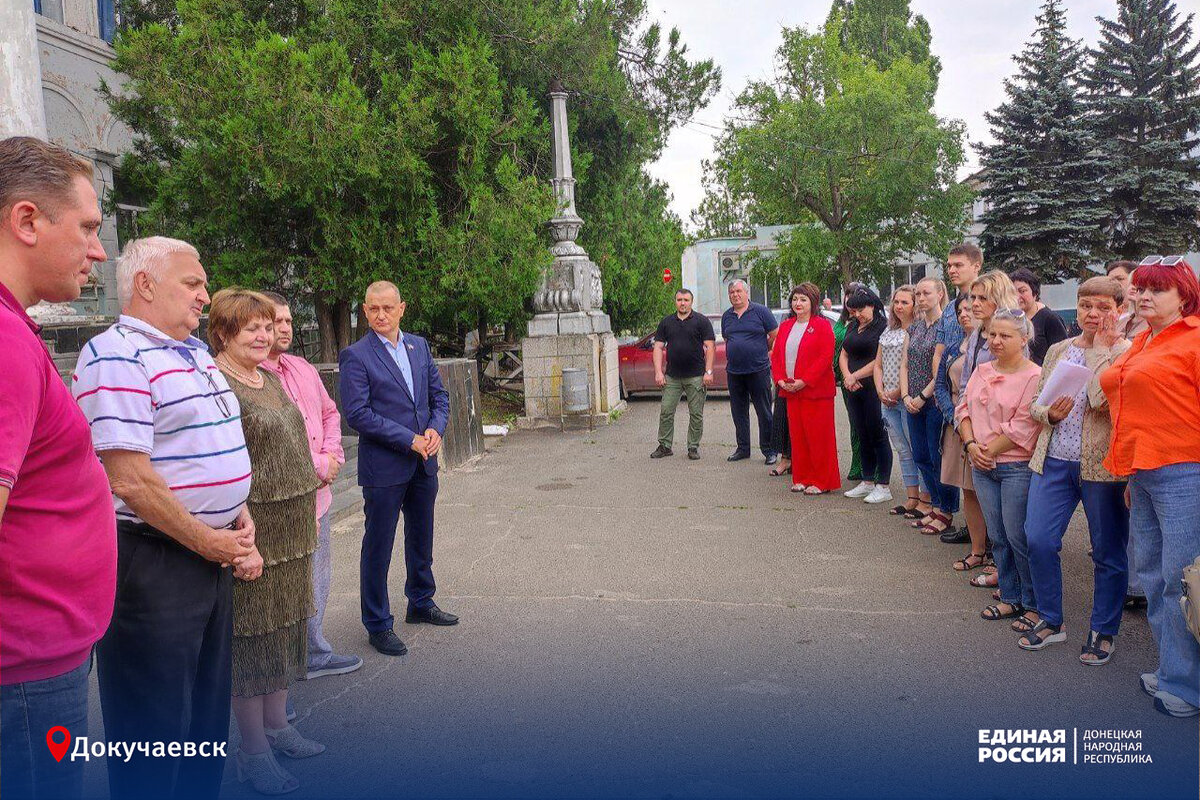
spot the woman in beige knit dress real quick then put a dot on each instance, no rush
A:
(270, 643)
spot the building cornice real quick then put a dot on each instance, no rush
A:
(90, 47)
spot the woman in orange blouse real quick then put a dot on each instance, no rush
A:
(1153, 391)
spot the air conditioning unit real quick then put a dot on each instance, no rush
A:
(731, 263)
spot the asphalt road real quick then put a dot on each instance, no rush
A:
(669, 628)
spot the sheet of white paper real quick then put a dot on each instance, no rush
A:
(1066, 381)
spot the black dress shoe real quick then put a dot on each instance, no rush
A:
(771, 460)
(388, 643)
(432, 615)
(738, 455)
(955, 536)
(694, 454)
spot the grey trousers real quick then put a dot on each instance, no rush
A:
(319, 650)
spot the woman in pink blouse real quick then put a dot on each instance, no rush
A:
(998, 436)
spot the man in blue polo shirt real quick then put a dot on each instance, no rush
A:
(749, 331)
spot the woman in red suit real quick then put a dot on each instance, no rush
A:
(802, 368)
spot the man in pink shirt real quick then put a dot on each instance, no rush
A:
(303, 384)
(58, 538)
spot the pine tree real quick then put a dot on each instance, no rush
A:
(1041, 174)
(1143, 93)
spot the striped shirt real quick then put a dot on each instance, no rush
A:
(144, 391)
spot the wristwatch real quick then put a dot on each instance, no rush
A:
(708, 372)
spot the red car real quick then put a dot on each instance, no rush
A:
(635, 363)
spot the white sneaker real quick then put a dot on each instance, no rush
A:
(1174, 706)
(880, 494)
(1149, 683)
(862, 490)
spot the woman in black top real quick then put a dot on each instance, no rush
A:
(857, 363)
(1048, 327)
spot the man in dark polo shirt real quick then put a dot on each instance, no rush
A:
(749, 331)
(689, 344)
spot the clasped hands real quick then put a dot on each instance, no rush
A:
(981, 458)
(428, 444)
(791, 385)
(235, 547)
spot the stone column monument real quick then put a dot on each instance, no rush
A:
(569, 328)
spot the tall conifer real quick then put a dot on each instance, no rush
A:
(1143, 93)
(1044, 203)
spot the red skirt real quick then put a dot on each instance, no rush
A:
(814, 443)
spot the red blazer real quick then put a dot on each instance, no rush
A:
(814, 360)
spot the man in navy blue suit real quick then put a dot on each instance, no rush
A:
(393, 396)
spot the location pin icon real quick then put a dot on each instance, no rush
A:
(58, 749)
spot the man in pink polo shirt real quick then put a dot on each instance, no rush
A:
(323, 423)
(58, 548)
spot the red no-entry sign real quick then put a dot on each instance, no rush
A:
(666, 276)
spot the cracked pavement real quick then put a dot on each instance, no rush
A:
(638, 628)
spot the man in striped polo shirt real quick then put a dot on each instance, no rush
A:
(167, 428)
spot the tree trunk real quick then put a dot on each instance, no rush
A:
(479, 353)
(341, 321)
(845, 267)
(361, 326)
(325, 330)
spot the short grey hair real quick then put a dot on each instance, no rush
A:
(1018, 318)
(148, 255)
(382, 286)
(736, 281)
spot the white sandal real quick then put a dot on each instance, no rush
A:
(814, 490)
(264, 773)
(289, 742)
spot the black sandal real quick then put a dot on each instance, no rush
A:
(993, 613)
(1024, 624)
(1032, 640)
(775, 473)
(965, 564)
(1092, 648)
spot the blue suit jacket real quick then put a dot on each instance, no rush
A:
(377, 404)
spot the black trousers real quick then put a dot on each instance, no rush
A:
(382, 506)
(781, 440)
(745, 390)
(866, 419)
(165, 665)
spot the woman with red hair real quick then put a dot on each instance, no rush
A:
(802, 368)
(1153, 392)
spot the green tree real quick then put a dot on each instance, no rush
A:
(723, 212)
(849, 153)
(1143, 87)
(317, 145)
(1043, 169)
(885, 30)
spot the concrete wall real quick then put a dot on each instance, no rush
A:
(21, 111)
(73, 63)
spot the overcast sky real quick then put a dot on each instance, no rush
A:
(975, 39)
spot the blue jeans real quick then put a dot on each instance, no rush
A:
(27, 712)
(896, 422)
(1053, 497)
(319, 648)
(1003, 494)
(1164, 523)
(925, 436)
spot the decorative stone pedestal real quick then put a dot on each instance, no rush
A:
(570, 328)
(545, 357)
